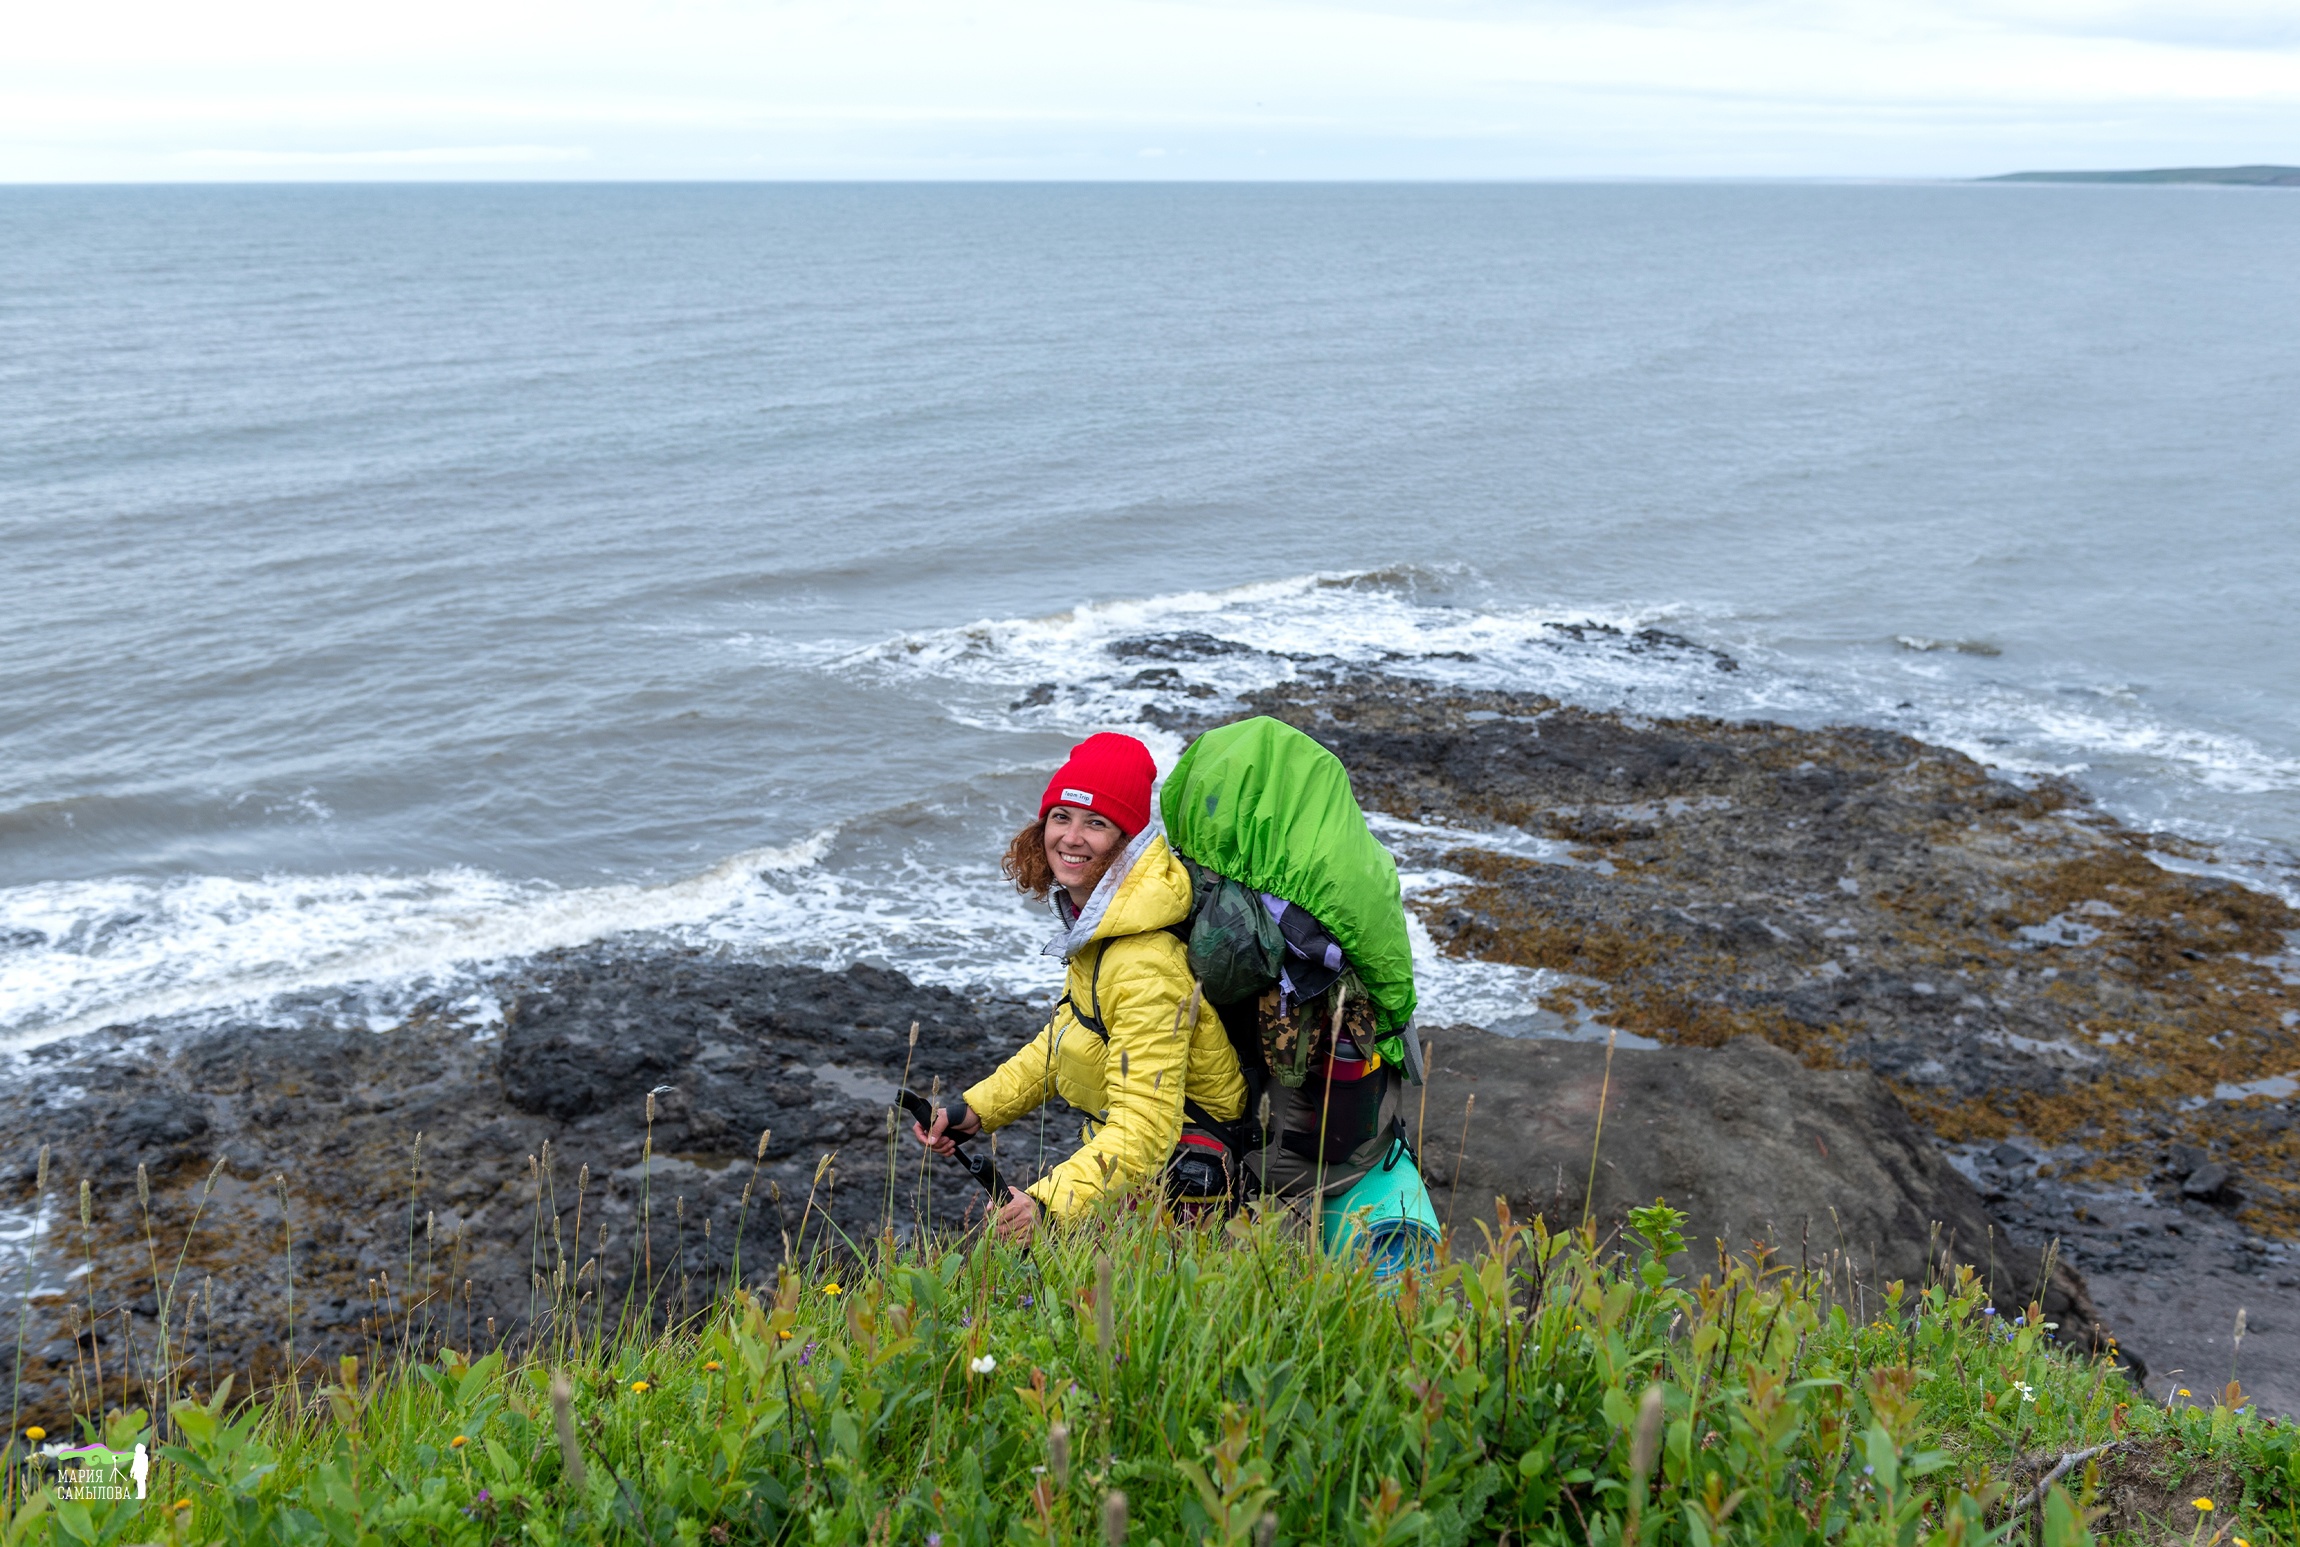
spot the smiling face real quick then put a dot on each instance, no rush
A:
(1079, 847)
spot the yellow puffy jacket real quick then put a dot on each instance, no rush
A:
(1164, 1043)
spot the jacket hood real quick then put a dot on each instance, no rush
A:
(1146, 888)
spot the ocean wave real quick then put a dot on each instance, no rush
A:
(78, 955)
(1135, 661)
(917, 889)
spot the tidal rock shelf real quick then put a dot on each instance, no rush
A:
(2103, 1040)
(1873, 985)
(640, 1118)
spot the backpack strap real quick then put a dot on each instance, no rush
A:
(1093, 1022)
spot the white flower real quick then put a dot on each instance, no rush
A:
(2027, 1391)
(983, 1366)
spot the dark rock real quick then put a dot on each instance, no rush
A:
(2009, 1155)
(1823, 1167)
(520, 1138)
(2184, 1158)
(2208, 1183)
(1184, 646)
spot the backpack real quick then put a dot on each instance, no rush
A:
(1290, 890)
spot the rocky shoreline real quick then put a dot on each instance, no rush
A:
(2104, 1041)
(2092, 1041)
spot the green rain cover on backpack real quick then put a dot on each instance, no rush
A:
(1262, 803)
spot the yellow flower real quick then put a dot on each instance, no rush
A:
(459, 1442)
(832, 1288)
(639, 1385)
(711, 1364)
(183, 1504)
(2184, 1391)
(2241, 1542)
(35, 1434)
(2204, 1506)
(785, 1334)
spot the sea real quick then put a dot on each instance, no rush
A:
(396, 581)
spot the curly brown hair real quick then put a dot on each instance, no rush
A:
(1025, 863)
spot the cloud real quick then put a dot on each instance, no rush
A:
(813, 88)
(425, 156)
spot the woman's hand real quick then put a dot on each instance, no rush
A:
(942, 1138)
(1018, 1218)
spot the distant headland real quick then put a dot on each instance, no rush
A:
(2247, 177)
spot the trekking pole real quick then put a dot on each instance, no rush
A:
(1422, 1123)
(1325, 1105)
(980, 1167)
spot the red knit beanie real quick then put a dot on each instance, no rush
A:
(1109, 775)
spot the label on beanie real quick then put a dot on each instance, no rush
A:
(1078, 797)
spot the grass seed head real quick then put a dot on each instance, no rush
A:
(1265, 1531)
(1114, 1519)
(40, 1177)
(87, 1205)
(764, 1135)
(1058, 1453)
(143, 1187)
(1646, 1443)
(1105, 1303)
(563, 1420)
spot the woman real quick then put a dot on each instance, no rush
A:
(1130, 1042)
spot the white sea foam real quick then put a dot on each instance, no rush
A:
(1114, 659)
(1111, 663)
(86, 954)
(921, 893)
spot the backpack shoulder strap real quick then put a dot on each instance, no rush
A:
(1091, 1021)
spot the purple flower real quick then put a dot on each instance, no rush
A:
(806, 1353)
(1028, 1302)
(934, 1539)
(483, 1497)
(966, 1321)
(1988, 1310)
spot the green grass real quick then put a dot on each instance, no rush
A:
(1235, 1388)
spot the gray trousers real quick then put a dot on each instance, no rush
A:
(1359, 1119)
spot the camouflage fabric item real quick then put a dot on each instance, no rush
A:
(1301, 1039)
(1235, 946)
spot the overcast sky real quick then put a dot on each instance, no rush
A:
(240, 89)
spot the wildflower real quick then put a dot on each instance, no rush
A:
(483, 1497)
(711, 1364)
(833, 1288)
(459, 1442)
(1988, 1310)
(2027, 1391)
(2203, 1506)
(784, 1334)
(35, 1434)
(182, 1504)
(807, 1353)
(2184, 1391)
(639, 1385)
(983, 1365)
(1028, 1301)
(934, 1539)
